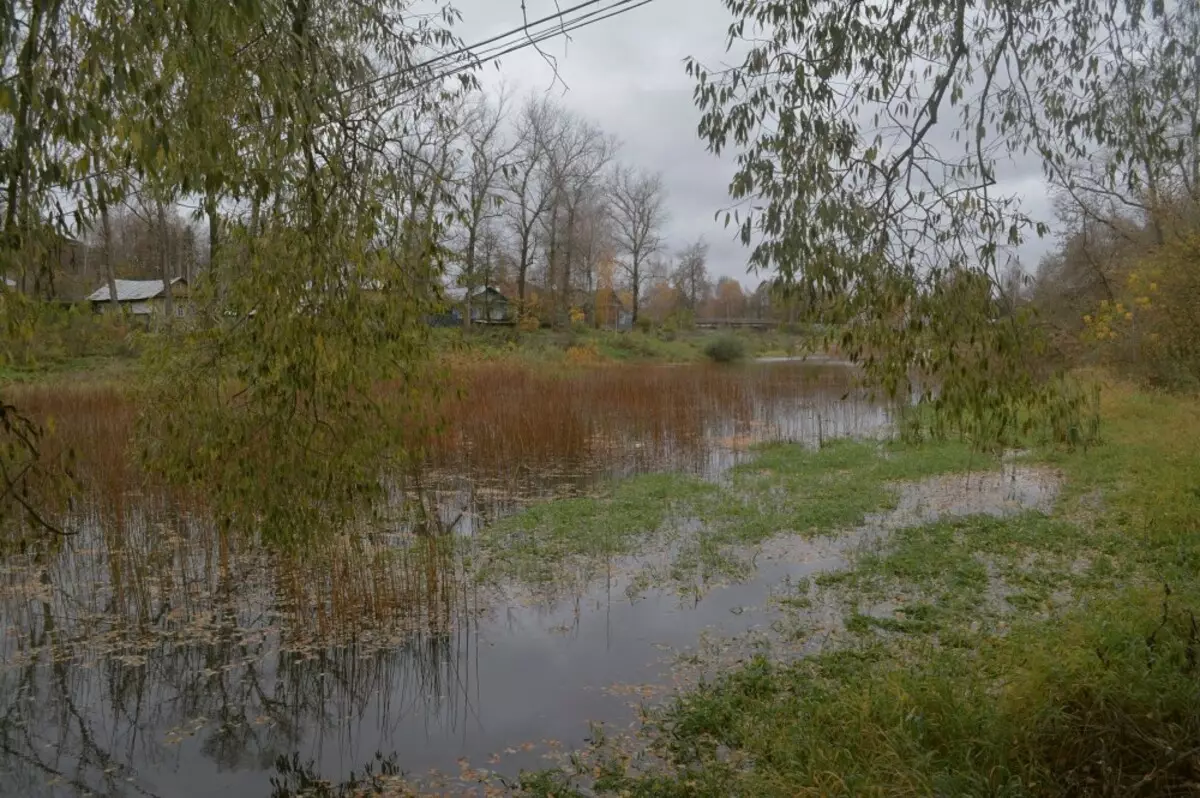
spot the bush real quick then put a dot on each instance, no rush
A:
(46, 335)
(726, 349)
(644, 324)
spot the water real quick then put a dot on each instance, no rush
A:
(154, 655)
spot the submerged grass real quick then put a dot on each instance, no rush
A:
(705, 526)
(1036, 655)
(537, 544)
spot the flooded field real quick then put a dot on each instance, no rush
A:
(155, 654)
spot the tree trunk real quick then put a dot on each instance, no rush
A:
(107, 258)
(637, 290)
(22, 135)
(164, 261)
(255, 216)
(552, 267)
(470, 281)
(564, 278)
(214, 227)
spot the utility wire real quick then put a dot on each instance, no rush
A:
(469, 50)
(496, 51)
(494, 47)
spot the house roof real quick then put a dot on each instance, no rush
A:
(132, 290)
(458, 294)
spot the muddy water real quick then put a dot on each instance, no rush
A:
(153, 655)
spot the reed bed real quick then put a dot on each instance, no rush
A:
(147, 564)
(493, 418)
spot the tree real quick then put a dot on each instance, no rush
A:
(868, 139)
(577, 153)
(691, 274)
(729, 301)
(487, 158)
(638, 210)
(528, 188)
(278, 385)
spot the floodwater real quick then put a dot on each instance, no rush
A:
(153, 655)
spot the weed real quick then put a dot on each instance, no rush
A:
(726, 349)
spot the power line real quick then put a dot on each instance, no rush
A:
(494, 48)
(496, 51)
(468, 49)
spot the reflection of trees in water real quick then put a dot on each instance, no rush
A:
(133, 657)
(296, 779)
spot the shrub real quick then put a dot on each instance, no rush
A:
(725, 349)
(644, 324)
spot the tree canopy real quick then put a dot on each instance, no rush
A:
(872, 140)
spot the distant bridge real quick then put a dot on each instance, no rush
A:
(757, 324)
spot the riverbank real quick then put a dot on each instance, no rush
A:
(99, 350)
(586, 346)
(1047, 651)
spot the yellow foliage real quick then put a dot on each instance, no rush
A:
(583, 355)
(1158, 337)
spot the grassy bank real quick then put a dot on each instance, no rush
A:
(79, 346)
(588, 346)
(1038, 654)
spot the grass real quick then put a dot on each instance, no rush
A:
(704, 526)
(539, 543)
(588, 347)
(1036, 655)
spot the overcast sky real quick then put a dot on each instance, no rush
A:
(627, 74)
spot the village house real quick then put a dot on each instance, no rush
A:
(143, 298)
(485, 305)
(611, 311)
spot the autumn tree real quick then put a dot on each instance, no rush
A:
(729, 301)
(691, 274)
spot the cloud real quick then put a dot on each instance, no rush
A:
(627, 74)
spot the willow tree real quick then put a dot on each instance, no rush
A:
(305, 374)
(873, 141)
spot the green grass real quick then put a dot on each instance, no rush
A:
(551, 347)
(101, 367)
(1036, 655)
(537, 544)
(784, 489)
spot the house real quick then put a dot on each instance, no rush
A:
(486, 305)
(143, 297)
(612, 312)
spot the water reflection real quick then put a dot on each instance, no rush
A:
(155, 654)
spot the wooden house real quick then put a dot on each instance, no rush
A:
(143, 298)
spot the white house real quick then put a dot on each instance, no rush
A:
(142, 297)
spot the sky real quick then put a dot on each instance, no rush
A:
(627, 74)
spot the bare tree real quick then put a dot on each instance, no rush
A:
(578, 152)
(528, 190)
(638, 210)
(691, 274)
(488, 155)
(593, 245)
